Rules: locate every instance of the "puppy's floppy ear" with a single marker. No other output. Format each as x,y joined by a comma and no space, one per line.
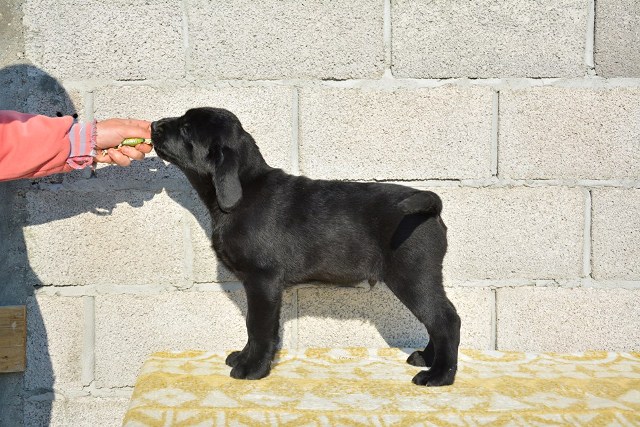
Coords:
226,179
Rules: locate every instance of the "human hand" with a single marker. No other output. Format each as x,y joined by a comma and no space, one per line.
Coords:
111,132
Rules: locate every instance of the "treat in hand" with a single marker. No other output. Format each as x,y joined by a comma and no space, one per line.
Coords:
132,142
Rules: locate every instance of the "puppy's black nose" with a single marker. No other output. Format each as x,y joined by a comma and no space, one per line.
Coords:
157,125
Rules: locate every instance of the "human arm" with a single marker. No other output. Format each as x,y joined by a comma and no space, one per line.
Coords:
32,146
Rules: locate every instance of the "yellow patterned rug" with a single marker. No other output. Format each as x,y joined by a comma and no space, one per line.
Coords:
362,387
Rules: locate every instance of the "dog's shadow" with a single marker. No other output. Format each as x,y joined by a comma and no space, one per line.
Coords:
336,316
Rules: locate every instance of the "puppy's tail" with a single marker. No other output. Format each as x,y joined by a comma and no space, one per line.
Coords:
426,202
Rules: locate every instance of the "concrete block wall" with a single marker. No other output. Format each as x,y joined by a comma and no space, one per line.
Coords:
523,116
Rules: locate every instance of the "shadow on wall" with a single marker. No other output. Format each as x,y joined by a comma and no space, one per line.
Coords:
27,89
25,398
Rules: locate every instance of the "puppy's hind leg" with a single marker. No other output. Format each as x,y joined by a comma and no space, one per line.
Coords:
264,299
427,300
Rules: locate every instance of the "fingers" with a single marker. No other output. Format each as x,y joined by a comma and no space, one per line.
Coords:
118,158
132,152
124,155
144,148
100,158
113,156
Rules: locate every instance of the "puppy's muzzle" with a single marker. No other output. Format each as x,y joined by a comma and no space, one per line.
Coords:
158,124
157,128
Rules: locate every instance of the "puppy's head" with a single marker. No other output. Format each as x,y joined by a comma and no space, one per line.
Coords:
205,141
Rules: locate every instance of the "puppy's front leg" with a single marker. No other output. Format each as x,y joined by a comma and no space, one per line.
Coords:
264,299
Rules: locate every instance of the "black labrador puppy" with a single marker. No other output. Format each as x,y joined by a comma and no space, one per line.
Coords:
274,230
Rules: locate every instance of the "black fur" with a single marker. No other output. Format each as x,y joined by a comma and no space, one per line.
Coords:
274,230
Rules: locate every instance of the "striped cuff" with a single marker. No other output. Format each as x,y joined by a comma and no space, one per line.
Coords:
82,138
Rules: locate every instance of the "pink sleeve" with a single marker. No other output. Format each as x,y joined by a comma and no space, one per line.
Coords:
33,146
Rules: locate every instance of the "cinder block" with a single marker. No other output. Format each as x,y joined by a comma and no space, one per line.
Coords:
615,234
11,390
617,38
130,327
30,90
14,260
38,413
344,317
9,414
125,237
350,317
519,232
11,400
12,49
80,412
54,342
568,320
273,40
488,38
121,40
13,96
405,134
475,307
266,113
96,411
552,133
47,95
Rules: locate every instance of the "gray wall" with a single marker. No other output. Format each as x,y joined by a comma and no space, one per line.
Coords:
524,116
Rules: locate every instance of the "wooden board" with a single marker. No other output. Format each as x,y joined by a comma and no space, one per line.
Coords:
13,338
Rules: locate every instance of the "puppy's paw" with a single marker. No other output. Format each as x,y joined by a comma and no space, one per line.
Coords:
251,370
435,378
233,359
421,358
416,359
